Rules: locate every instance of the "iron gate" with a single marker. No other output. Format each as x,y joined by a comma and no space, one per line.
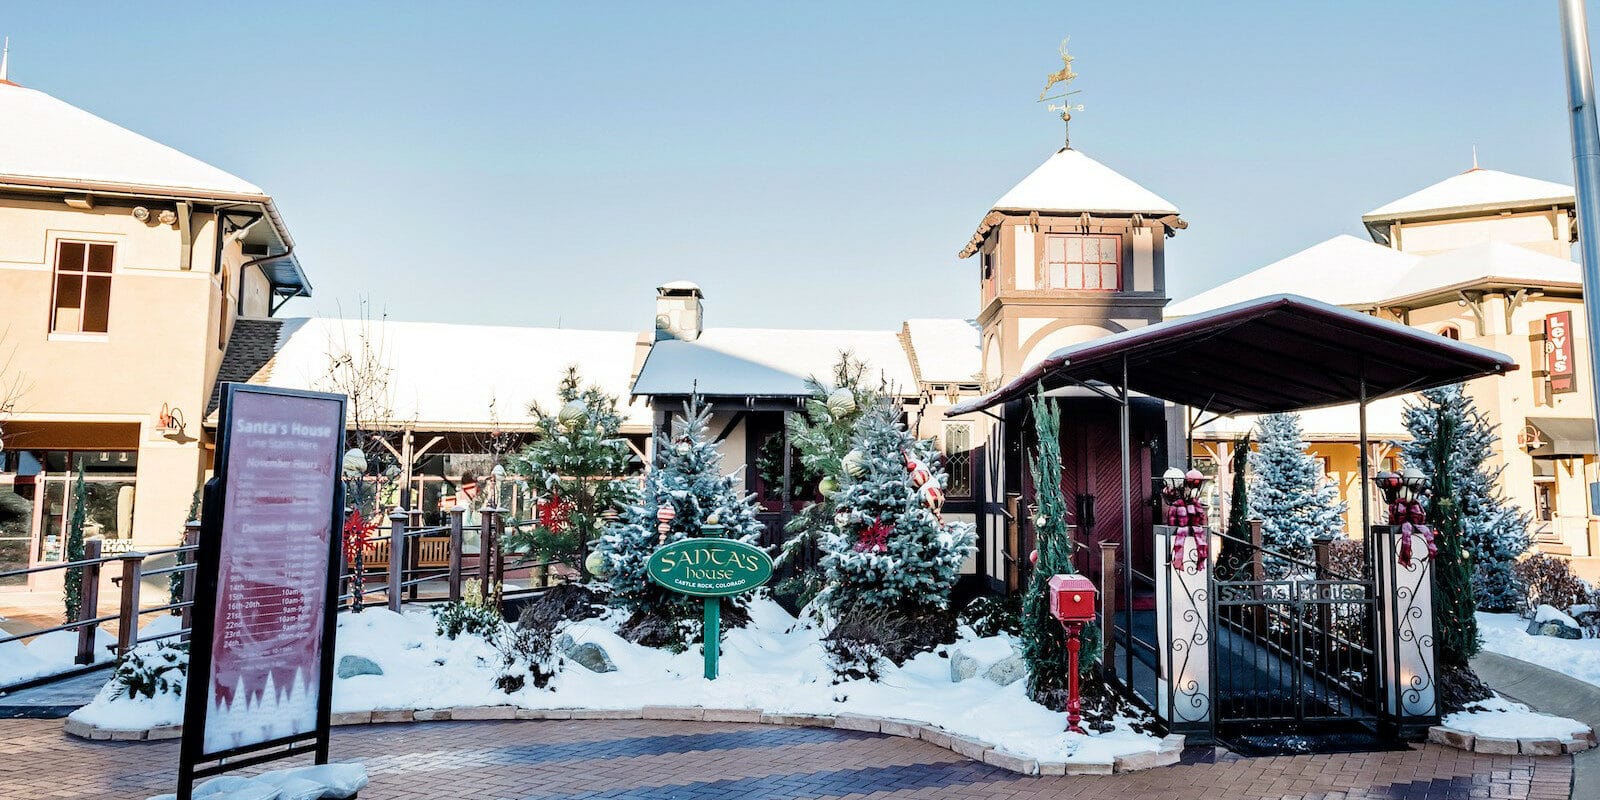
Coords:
1292,649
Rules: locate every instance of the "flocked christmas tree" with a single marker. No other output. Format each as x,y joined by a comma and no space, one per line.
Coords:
889,550
682,488
1494,532
1289,491
821,435
576,464
1043,642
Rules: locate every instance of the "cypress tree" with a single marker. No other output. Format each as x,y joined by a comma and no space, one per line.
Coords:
72,592
1453,605
1235,555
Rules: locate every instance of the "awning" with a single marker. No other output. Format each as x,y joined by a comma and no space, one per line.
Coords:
1272,354
1563,437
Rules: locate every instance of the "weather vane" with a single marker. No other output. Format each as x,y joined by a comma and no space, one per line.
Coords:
1063,76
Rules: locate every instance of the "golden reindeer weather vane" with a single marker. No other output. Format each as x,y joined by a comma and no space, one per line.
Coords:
1065,75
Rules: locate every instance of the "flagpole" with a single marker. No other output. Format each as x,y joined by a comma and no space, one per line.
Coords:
1586,173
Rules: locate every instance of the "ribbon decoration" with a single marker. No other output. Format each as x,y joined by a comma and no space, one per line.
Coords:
1188,518
1412,519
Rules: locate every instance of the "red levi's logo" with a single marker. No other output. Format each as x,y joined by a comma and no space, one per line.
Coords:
1558,351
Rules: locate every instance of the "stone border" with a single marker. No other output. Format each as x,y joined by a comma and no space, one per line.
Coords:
1170,749
1494,745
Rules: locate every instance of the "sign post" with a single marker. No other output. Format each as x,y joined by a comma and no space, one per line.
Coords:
260,680
711,568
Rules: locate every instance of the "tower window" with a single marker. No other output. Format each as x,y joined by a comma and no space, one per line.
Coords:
1083,262
82,302
1450,332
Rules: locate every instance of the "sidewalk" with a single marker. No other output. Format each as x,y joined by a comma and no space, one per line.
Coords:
1554,693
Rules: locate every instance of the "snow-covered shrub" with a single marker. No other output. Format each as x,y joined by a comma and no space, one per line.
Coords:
527,651
468,615
989,615
1289,492
1548,581
863,644
153,668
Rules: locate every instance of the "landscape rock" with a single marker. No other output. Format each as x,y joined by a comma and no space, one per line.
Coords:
1007,670
1551,621
351,666
588,655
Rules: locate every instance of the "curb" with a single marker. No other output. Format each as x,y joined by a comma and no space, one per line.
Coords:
977,750
1494,745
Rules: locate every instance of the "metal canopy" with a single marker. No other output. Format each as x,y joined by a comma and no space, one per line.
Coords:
1276,353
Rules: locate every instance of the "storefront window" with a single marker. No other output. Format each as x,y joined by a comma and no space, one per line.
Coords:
108,477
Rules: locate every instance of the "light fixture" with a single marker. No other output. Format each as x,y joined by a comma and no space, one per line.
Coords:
1172,479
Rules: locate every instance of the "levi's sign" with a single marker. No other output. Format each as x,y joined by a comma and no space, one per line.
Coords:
710,567
1558,352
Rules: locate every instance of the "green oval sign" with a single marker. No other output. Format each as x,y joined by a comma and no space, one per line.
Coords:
710,567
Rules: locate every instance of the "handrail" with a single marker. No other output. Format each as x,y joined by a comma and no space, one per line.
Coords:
57,629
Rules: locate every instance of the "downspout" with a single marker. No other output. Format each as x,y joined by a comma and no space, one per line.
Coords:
257,262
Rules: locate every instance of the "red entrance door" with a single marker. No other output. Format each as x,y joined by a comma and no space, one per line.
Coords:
1091,480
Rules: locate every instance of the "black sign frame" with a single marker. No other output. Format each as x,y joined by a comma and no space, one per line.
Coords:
193,761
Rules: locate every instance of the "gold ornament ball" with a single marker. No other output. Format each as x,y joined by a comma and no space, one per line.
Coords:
597,564
841,402
572,414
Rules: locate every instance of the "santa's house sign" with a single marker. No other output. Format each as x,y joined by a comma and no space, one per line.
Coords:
710,567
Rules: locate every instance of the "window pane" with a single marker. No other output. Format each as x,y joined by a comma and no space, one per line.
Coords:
100,257
1055,248
1108,277
97,304
1057,277
1074,276
1075,248
70,256
69,289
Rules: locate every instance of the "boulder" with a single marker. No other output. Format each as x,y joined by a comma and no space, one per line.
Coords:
995,658
962,667
588,655
351,666
1550,621
1007,670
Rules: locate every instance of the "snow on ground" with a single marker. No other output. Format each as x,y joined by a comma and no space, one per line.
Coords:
1507,634
46,655
1501,718
776,664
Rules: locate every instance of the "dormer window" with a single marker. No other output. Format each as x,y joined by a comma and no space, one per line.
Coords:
1082,262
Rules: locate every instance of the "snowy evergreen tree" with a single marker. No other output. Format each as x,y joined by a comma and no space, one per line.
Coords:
686,478
1493,530
577,464
889,550
821,436
1289,491
72,589
1454,616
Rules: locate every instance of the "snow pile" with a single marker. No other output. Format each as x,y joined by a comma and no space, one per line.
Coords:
49,654
1507,634
300,783
777,664
1504,719
1549,613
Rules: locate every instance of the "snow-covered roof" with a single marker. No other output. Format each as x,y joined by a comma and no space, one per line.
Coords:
1334,423
1476,189
44,140
1344,270
947,350
1348,271
445,377
768,362
1071,181
679,286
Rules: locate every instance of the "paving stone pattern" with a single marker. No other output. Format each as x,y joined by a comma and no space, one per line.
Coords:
683,760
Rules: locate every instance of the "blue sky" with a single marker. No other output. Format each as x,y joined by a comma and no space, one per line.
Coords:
810,165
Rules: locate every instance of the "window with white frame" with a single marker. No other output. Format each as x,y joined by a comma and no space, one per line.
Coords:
1085,262
82,297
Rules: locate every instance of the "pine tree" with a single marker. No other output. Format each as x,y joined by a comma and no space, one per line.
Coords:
1494,531
577,463
1235,555
686,478
1453,609
72,591
821,436
1043,641
1294,500
888,550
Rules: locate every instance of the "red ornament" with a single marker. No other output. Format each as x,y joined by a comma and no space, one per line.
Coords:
875,538
357,532
553,513
1033,558
666,514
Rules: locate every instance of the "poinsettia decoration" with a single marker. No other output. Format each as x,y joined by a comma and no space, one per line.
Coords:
875,538
358,532
553,513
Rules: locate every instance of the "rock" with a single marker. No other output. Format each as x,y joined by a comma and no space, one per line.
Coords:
1007,670
351,666
962,667
588,655
1555,628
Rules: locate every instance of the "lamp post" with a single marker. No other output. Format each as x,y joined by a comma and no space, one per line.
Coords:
1403,496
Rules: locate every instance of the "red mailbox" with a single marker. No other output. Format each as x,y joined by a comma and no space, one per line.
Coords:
1072,598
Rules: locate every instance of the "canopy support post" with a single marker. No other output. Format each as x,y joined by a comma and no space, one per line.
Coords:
1364,468
1126,432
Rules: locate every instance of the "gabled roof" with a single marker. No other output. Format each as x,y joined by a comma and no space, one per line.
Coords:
768,362
46,141
945,350
1348,271
1280,353
1344,270
1070,181
445,377
1476,189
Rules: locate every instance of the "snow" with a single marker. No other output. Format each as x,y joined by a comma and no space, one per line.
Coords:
1489,261
1504,719
1475,189
50,141
1071,181
777,664
46,655
1548,613
299,783
1507,634
459,377
946,350
769,362
1384,421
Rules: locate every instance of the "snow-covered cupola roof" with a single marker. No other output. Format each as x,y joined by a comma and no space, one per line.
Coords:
1476,190
1070,182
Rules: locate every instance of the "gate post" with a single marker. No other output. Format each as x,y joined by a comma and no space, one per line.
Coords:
1183,629
1405,632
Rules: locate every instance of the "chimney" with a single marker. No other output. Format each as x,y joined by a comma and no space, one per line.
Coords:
679,313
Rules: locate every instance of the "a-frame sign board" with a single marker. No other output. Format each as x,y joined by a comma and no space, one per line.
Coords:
260,682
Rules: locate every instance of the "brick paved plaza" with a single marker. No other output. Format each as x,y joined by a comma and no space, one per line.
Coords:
647,759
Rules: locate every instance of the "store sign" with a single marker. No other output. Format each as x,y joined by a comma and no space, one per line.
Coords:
710,567
1558,352
261,659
